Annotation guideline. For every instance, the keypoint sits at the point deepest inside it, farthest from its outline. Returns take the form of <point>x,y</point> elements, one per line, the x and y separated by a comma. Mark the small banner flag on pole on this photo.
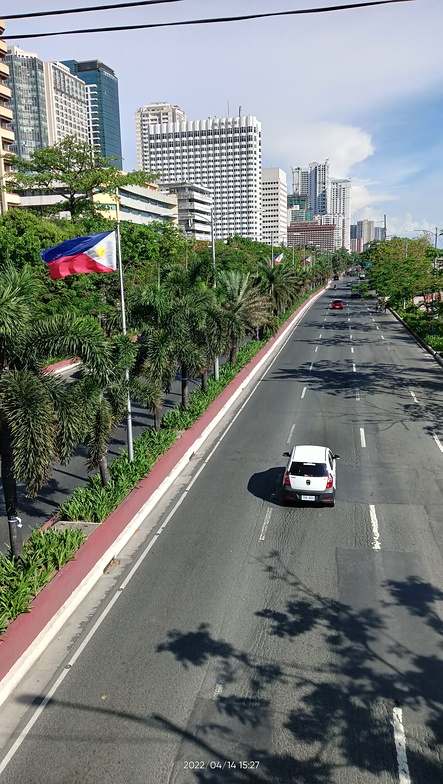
<point>93,253</point>
<point>278,259</point>
<point>307,260</point>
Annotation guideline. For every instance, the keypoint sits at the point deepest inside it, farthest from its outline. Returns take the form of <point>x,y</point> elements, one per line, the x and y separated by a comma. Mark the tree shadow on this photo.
<point>342,712</point>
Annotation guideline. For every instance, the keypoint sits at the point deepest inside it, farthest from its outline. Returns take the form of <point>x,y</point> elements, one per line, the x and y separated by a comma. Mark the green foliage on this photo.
<point>22,577</point>
<point>72,169</point>
<point>95,502</point>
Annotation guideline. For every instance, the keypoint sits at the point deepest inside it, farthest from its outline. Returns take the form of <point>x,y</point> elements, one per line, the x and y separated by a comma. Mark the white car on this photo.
<point>310,475</point>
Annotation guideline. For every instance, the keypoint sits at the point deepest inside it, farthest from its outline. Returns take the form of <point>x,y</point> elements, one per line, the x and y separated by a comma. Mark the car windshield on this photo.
<point>308,469</point>
<point>336,302</point>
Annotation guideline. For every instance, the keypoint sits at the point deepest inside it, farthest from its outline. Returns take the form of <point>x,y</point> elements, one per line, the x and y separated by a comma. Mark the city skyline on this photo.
<point>374,110</point>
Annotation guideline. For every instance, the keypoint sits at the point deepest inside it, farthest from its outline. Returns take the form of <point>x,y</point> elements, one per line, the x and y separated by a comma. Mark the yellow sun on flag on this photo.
<point>101,251</point>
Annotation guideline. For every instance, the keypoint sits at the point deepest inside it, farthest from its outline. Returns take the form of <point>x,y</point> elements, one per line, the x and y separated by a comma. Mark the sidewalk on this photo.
<point>34,512</point>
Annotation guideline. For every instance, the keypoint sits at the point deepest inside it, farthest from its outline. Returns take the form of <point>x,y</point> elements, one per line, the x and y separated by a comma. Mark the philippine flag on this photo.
<point>93,253</point>
<point>278,259</point>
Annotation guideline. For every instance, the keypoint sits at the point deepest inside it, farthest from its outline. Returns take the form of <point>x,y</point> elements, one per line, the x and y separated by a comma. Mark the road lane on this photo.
<point>227,647</point>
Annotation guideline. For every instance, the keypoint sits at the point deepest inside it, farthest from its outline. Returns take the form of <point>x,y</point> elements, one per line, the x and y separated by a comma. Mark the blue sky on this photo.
<point>363,87</point>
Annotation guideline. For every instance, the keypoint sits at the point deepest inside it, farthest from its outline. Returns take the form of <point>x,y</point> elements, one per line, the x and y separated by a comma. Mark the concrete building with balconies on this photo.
<point>6,133</point>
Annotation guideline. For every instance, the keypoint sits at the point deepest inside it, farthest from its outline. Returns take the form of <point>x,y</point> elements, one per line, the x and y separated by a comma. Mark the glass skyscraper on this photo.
<point>28,103</point>
<point>103,106</point>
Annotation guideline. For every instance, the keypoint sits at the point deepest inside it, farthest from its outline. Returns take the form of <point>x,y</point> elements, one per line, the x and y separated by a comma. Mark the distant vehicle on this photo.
<point>336,277</point>
<point>310,475</point>
<point>362,276</point>
<point>355,294</point>
<point>337,304</point>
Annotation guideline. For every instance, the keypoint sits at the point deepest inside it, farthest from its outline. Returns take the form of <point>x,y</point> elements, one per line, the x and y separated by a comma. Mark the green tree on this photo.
<point>38,426</point>
<point>282,284</point>
<point>173,318</point>
<point>72,169</point>
<point>245,308</point>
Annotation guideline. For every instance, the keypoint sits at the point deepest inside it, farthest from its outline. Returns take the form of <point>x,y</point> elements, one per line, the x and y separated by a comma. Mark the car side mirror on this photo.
<point>286,454</point>
<point>336,457</point>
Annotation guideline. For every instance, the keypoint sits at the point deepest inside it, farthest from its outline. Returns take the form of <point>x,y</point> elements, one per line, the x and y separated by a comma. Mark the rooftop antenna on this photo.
<point>239,111</point>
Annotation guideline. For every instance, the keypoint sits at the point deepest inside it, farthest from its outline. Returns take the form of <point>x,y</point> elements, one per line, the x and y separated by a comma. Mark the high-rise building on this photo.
<point>6,132</point>
<point>223,155</point>
<point>379,233</point>
<point>319,187</point>
<point>340,204</point>
<point>364,230</point>
<point>28,103</point>
<point>102,106</point>
<point>274,206</point>
<point>65,103</point>
<point>326,196</point>
<point>154,114</point>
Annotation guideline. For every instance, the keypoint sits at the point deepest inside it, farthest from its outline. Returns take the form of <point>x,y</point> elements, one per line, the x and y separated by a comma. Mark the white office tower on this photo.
<point>340,204</point>
<point>222,154</point>
<point>274,206</point>
<point>66,103</point>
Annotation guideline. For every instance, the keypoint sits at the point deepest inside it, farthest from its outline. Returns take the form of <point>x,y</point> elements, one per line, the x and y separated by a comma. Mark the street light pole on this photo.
<point>214,274</point>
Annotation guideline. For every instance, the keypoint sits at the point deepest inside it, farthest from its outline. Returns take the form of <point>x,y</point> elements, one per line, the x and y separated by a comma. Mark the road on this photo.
<point>256,642</point>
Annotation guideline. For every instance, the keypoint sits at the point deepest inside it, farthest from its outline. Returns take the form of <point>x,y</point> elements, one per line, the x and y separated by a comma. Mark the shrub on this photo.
<point>22,577</point>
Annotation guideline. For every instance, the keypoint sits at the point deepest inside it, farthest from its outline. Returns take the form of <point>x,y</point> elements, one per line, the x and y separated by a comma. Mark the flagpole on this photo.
<point>122,300</point>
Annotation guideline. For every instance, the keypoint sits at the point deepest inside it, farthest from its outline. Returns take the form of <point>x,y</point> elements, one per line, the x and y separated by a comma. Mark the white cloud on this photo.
<point>344,145</point>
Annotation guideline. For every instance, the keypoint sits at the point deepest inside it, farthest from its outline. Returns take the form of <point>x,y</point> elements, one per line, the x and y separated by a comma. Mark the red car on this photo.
<point>337,304</point>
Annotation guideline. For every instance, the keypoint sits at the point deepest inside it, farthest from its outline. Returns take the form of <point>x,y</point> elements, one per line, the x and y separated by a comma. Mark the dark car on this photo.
<point>337,304</point>
<point>336,277</point>
<point>356,294</point>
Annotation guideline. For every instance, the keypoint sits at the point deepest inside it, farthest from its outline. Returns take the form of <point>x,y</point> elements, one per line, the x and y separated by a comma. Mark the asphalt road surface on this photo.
<point>257,642</point>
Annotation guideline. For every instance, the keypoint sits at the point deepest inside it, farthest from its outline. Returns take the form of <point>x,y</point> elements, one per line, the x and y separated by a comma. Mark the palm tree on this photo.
<point>281,283</point>
<point>174,320</point>
<point>245,308</point>
<point>38,424</point>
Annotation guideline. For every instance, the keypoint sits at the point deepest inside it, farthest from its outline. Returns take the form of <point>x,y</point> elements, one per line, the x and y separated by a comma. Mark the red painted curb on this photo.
<point>23,630</point>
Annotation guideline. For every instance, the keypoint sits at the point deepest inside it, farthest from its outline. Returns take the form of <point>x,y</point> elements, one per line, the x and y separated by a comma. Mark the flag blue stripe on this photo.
<point>72,247</point>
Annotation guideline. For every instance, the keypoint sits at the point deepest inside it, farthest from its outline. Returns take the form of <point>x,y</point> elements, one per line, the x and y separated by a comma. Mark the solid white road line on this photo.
<point>264,527</point>
<point>400,746</point>
<point>290,434</point>
<point>375,532</point>
<point>437,441</point>
<point>303,393</point>
<point>362,437</point>
<point>413,395</point>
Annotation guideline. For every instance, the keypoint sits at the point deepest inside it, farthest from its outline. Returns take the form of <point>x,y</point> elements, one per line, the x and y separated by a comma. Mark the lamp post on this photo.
<point>203,219</point>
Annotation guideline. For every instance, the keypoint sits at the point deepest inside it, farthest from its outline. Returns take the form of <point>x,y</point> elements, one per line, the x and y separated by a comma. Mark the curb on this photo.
<point>29,634</point>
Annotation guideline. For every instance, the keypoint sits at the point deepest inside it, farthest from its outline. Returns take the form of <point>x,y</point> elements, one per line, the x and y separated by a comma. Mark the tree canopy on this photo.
<point>73,170</point>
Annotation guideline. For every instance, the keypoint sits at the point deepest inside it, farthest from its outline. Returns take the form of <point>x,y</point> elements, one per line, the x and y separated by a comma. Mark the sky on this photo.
<point>362,87</point>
